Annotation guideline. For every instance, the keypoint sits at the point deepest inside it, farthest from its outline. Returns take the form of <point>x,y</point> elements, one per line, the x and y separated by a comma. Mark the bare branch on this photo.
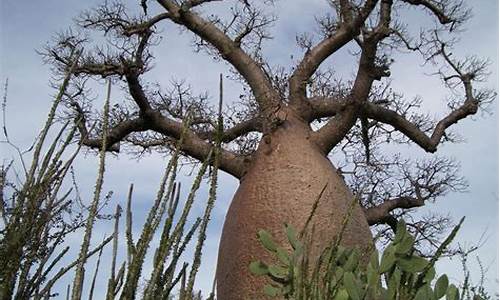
<point>137,93</point>
<point>115,135</point>
<point>390,187</point>
<point>195,147</point>
<point>379,214</point>
<point>229,51</point>
<point>113,17</point>
<point>368,71</point>
<point>188,4</point>
<point>240,129</point>
<point>447,11</point>
<point>413,132</point>
<point>152,120</point>
<point>129,57</point>
<point>316,55</point>
<point>323,107</point>
<point>335,130</point>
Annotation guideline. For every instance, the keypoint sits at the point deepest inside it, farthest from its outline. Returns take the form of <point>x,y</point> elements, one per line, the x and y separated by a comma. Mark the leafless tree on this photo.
<point>278,139</point>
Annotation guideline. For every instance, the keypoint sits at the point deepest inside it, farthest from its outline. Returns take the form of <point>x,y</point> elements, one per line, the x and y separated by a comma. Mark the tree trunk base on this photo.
<point>287,176</point>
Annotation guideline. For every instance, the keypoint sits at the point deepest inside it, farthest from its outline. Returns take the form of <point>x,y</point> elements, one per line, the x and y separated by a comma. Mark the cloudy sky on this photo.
<point>28,25</point>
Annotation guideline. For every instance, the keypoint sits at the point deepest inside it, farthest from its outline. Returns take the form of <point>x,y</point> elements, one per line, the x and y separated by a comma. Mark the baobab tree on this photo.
<point>278,139</point>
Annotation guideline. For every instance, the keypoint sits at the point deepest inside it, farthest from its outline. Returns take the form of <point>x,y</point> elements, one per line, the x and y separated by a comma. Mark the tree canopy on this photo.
<point>355,115</point>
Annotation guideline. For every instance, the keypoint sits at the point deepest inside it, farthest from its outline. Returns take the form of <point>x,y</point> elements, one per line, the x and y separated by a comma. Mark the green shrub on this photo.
<point>340,274</point>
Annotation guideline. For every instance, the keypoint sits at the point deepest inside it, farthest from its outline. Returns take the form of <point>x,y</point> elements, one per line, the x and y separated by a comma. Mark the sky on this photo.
<point>26,26</point>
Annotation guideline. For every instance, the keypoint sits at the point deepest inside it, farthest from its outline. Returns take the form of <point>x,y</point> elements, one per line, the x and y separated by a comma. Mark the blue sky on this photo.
<point>28,25</point>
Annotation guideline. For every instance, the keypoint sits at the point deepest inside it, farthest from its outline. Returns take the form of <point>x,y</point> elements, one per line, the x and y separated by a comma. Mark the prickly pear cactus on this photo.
<point>398,274</point>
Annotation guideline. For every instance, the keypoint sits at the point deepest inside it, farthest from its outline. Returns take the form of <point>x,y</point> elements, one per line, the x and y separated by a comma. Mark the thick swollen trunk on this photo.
<point>287,175</point>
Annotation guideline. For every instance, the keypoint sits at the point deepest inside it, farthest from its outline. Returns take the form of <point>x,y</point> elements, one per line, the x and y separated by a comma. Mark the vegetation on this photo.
<point>278,142</point>
<point>38,217</point>
<point>305,109</point>
<point>344,274</point>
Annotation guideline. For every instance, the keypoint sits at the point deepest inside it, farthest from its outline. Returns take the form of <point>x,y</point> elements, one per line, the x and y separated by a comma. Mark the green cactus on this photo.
<point>338,274</point>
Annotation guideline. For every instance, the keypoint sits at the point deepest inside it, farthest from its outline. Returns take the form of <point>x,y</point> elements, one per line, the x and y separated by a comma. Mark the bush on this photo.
<point>340,274</point>
<point>38,217</point>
